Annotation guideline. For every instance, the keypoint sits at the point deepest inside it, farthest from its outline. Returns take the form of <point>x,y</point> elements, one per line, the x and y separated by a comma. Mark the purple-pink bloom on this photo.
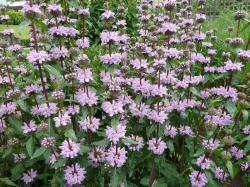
<point>69,148</point>
<point>29,127</point>
<point>90,123</point>
<point>29,176</point>
<point>220,174</point>
<point>198,179</point>
<point>114,134</point>
<point>170,131</point>
<point>74,174</point>
<point>157,146</point>
<point>116,156</point>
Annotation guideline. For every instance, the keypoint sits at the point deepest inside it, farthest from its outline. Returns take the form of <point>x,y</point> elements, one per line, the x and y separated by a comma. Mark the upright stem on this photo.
<point>36,48</point>
<point>153,174</point>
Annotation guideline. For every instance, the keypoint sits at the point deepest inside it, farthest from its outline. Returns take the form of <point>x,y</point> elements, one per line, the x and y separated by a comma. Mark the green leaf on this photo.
<point>54,71</point>
<point>170,146</point>
<point>7,152</point>
<point>150,130</point>
<point>114,122</point>
<point>7,181</point>
<point>245,114</point>
<point>144,181</point>
<point>159,183</point>
<point>127,141</point>
<point>211,181</point>
<point>70,133</point>
<point>30,146</point>
<point>17,171</point>
<point>16,124</point>
<point>195,91</point>
<point>245,27</point>
<point>103,142</point>
<point>38,152</point>
<point>245,139</point>
<point>247,147</point>
<point>231,108</point>
<point>114,180</point>
<point>59,163</point>
<point>22,105</point>
<point>230,168</point>
<point>169,171</point>
<point>84,149</point>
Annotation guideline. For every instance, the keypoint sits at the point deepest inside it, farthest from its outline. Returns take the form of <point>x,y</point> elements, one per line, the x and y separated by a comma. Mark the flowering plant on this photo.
<point>162,107</point>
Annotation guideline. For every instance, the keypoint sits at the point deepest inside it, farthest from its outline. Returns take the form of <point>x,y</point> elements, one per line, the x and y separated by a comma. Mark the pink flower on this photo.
<point>109,37</point>
<point>107,14</point>
<point>53,157</point>
<point>170,131</point>
<point>59,53</point>
<point>90,124</point>
<point>35,57</point>
<point>73,109</point>
<point>54,9</point>
<point>237,153</point>
<point>246,130</point>
<point>244,55</point>
<point>141,110</point>
<point>114,58</point>
<point>84,75</point>
<point>74,174</point>
<point>157,146</point>
<point>220,174</point>
<point>139,63</point>
<point>44,109</point>
<point>62,120</point>
<point>83,43</point>
<point>136,143</point>
<point>29,176</point>
<point>33,10</point>
<point>97,156</point>
<point>113,108</point>
<point>86,97</point>
<point>114,134</point>
<point>29,127</point>
<point>203,162</point>
<point>48,142</point>
<point>69,149</point>
<point>19,157</point>
<point>32,89</point>
<point>210,144</point>
<point>158,117</point>
<point>185,130</point>
<point>198,179</point>
<point>244,166</point>
<point>116,156</point>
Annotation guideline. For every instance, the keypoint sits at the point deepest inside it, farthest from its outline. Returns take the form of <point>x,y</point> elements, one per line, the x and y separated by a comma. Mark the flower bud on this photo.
<point>228,140</point>
<point>236,42</point>
<point>3,44</point>
<point>226,155</point>
<point>240,15</point>
<point>58,95</point>
<point>244,103</point>
<point>242,95</point>
<point>213,38</point>
<point>230,29</point>
<point>248,157</point>
<point>228,131</point>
